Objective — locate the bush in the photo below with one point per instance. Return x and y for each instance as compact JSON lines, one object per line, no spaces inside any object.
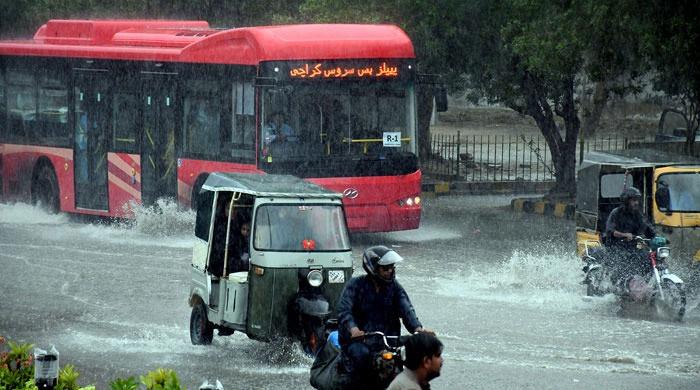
{"x":17,"y":373}
{"x":161,"y":379}
{"x":124,"y":384}
{"x":16,"y":366}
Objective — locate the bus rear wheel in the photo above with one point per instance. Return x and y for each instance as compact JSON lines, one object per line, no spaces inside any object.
{"x":45,"y":190}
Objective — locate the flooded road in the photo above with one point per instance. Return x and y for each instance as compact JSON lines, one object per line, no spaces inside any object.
{"x":501,"y":290}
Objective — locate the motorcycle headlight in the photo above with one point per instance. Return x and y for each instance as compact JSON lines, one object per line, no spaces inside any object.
{"x":315,"y":278}
{"x":663,"y":252}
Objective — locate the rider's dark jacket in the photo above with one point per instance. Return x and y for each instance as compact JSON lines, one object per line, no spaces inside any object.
{"x":361,"y":305}
{"x":625,"y":220}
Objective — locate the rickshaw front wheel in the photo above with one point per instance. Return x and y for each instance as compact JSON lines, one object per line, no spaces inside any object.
{"x":201,"y":330}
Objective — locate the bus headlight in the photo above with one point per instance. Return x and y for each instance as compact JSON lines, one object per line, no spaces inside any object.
{"x":315,"y":278}
{"x":663,"y":252}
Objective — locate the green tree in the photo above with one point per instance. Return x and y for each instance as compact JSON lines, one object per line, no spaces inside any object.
{"x":556,"y":61}
{"x":566,"y":59}
{"x":672,"y":44}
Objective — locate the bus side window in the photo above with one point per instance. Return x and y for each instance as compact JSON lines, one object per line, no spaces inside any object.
{"x":21,"y":103}
{"x":202,"y":119}
{"x":243,"y":121}
{"x":53,"y":108}
{"x":125,"y":115}
{"x":3,"y":107}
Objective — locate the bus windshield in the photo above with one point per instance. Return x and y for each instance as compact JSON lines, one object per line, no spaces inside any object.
{"x":684,"y":191}
{"x":316,"y":131}
{"x":293,"y":227}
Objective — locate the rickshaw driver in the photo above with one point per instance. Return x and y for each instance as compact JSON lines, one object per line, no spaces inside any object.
{"x":624,"y":224}
{"x":373,"y":302}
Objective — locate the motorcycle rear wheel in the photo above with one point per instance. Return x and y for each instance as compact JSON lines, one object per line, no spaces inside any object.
{"x":673,"y":303}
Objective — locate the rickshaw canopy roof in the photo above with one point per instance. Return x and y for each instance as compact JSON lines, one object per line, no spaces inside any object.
{"x":260,"y":185}
{"x":636,"y":158}
{"x":588,"y":180}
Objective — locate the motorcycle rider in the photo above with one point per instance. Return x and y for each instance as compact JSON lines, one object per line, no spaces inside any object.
{"x":369,"y":303}
{"x":624,"y":224}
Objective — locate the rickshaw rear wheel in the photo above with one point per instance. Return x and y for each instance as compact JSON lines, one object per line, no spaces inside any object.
{"x":201,"y":330}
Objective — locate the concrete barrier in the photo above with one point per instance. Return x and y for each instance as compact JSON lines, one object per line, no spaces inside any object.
{"x":435,"y":188}
{"x":544,"y":207}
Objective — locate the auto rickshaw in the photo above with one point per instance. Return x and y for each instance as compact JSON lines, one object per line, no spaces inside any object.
{"x":286,"y":281}
{"x":670,"y":187}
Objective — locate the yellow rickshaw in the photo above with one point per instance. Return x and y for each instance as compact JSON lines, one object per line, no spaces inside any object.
{"x":670,"y":187}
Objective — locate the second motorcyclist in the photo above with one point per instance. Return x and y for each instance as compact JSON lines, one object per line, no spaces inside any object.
{"x":373,"y":302}
{"x":624,"y":224}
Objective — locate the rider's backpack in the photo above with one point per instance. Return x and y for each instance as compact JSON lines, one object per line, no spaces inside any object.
{"x":327,"y":372}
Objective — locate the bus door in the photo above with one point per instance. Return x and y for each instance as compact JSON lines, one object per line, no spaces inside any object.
{"x":158,"y":157}
{"x":92,"y":115}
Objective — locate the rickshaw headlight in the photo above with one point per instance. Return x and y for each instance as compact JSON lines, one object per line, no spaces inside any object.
{"x":663,"y":252}
{"x":315,"y":278}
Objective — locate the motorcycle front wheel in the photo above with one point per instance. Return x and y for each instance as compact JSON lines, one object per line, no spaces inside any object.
{"x":673,"y":302}
{"x":313,"y":335}
{"x":595,"y":280}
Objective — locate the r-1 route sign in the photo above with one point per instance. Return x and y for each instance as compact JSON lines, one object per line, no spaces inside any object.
{"x":392,"y":139}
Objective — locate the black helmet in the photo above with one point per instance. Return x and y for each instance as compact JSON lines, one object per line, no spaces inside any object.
{"x":376,"y":256}
{"x":630,"y":193}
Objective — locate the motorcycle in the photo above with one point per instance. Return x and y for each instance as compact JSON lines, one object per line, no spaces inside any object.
{"x":328,"y":371}
{"x":659,"y":288}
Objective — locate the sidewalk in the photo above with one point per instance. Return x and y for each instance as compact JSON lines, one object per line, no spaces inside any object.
{"x":434,"y":187}
{"x":536,"y":204}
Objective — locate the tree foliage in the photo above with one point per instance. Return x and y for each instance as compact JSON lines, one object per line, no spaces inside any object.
{"x":556,"y":61}
{"x":672,"y":44}
{"x":23,"y":17}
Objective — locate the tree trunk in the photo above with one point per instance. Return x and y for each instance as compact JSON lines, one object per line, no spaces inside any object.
{"x":692,"y":115}
{"x":593,"y":110}
{"x":563,"y":150}
{"x":425,"y":111}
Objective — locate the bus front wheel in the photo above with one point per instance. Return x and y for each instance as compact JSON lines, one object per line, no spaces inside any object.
{"x":45,"y":190}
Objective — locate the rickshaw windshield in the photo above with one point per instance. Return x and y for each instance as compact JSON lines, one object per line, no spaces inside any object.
{"x":684,"y":191}
{"x":303,"y":228}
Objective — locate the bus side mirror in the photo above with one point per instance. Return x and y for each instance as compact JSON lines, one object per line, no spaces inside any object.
{"x":440,"y":98}
{"x":663,"y":198}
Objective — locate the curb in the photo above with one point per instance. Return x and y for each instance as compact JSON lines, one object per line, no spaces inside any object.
{"x":563,"y":210}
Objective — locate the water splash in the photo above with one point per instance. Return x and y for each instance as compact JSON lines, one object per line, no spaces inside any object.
{"x":422,"y":234}
{"x":22,"y":213}
{"x":165,"y":218}
{"x":545,"y":278}
{"x":163,"y":224}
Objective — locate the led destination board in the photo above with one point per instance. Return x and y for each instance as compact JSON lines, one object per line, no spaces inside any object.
{"x":321,"y":71}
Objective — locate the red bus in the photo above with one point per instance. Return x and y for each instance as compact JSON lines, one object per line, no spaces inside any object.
{"x":98,"y":114}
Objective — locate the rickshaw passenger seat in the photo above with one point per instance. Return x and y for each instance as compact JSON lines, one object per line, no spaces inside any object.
{"x":238,"y":277}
